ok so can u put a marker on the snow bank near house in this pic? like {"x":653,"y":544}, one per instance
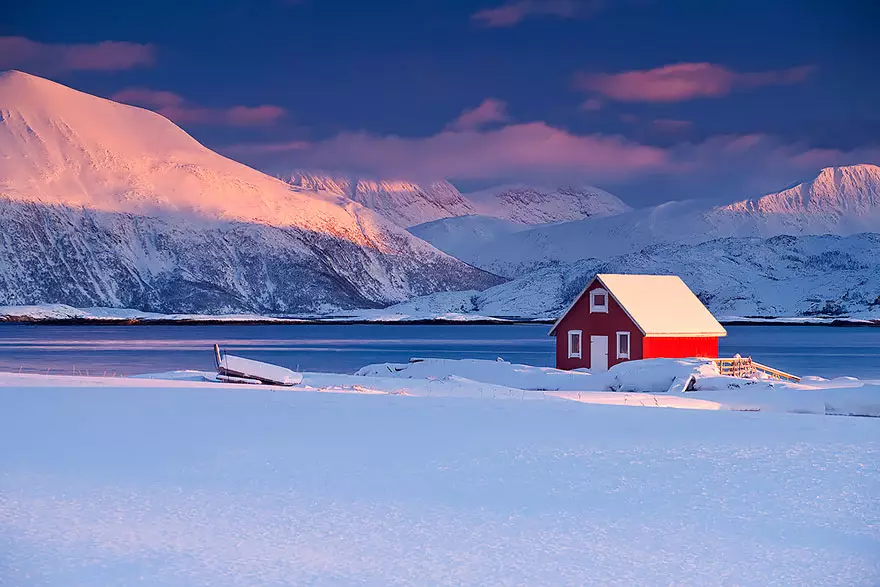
{"x":658,"y":381}
{"x":650,"y":375}
{"x":657,"y":375}
{"x":495,"y":372}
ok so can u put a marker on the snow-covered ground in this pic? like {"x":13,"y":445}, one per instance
{"x":177,"y":481}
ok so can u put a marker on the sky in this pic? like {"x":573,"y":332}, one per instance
{"x":651,"y":99}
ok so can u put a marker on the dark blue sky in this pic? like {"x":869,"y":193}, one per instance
{"x":410,"y":68}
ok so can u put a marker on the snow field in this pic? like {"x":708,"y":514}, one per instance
{"x":156,"y":482}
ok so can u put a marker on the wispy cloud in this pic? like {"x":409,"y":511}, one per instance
{"x":684,"y":81}
{"x":36,"y":57}
{"x":592,"y":105}
{"x":488,"y":112}
{"x":516,"y":11}
{"x":671,"y":125}
{"x":148,"y":98}
{"x":176,"y":108}
{"x":267,"y":148}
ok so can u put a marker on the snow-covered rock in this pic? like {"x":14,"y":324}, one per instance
{"x":105,"y":204}
{"x":402,"y":202}
{"x":524,"y":204}
{"x":497,"y":210}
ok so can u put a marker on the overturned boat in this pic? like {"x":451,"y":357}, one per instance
{"x":232,"y":369}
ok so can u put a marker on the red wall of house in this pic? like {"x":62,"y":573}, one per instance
{"x":600,"y":324}
{"x":680,"y":347}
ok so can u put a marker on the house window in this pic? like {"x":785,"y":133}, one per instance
{"x":623,"y":345}
{"x":575,"y":338}
{"x":598,"y":301}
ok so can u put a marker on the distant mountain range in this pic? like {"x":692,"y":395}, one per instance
{"x":402,"y":202}
{"x":829,"y":276}
{"x":840,"y":201}
{"x":409,"y":204}
{"x":110,"y":205}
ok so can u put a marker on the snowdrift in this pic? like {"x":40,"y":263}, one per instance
{"x":658,"y":377}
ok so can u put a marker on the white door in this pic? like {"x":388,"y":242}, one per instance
{"x":598,"y":353}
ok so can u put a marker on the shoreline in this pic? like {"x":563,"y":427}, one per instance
{"x":439,"y":321}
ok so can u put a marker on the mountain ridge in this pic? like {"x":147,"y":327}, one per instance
{"x":154,"y":206}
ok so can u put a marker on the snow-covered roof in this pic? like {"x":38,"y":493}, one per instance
{"x":660,"y":305}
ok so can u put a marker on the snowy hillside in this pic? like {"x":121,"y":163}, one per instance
{"x":111,"y":205}
{"x":780,"y":276}
{"x":541,"y":205}
{"x":842,"y":201}
{"x":464,"y":234}
{"x":402,"y":202}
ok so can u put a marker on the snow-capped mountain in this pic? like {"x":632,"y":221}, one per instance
{"x":779,"y":276}
{"x":841,"y":200}
{"x":524,"y":204}
{"x":105,"y":204}
{"x":404,"y":203}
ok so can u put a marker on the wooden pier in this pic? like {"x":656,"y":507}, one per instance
{"x":746,"y":367}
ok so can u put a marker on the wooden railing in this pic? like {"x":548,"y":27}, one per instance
{"x":746,"y":367}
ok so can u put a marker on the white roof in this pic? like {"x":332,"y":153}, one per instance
{"x":660,"y":305}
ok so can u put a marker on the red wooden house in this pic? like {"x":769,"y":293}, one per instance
{"x":625,"y":317}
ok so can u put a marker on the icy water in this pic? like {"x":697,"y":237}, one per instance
{"x":129,"y":350}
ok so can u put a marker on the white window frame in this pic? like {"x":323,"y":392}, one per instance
{"x":620,"y":353}
{"x":580,"y":352}
{"x":594,"y":307}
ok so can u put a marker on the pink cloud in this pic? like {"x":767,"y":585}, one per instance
{"x":174,"y":107}
{"x":22,"y":53}
{"x":684,"y":81}
{"x":532,"y":148}
{"x":514,"y":12}
{"x":491,"y":110}
{"x":536,"y":151}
